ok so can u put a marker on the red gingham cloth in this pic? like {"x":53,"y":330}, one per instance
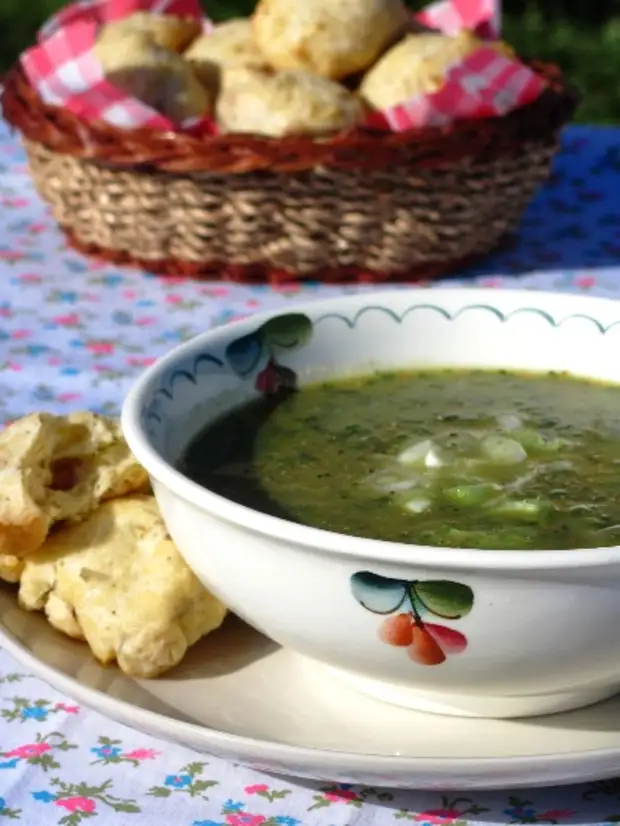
{"x":63,"y":69}
{"x":452,"y":16}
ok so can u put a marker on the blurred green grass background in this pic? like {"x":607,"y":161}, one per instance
{"x":583,"y":36}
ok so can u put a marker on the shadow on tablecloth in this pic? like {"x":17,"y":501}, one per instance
{"x":574,"y":223}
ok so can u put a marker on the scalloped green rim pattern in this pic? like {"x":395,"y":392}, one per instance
{"x":503,"y":317}
{"x":151,"y":413}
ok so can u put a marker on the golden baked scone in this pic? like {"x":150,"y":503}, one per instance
{"x":284,"y":103}
{"x":231,"y":45}
{"x":157,"y":76}
{"x":56,"y":468}
{"x":117,"y":581}
{"x":418,"y":65}
{"x":11,"y":568}
{"x":167,"y":30}
{"x":331,"y":38}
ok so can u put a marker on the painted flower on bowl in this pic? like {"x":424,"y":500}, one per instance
{"x":256,"y":353}
{"x":406,"y":604}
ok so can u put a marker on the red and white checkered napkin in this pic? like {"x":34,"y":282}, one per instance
{"x":63,"y":69}
{"x":483,"y":85}
{"x":65,"y":72}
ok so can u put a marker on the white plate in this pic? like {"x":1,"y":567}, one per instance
{"x":240,"y":697}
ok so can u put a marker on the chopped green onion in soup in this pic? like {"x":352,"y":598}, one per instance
{"x":502,"y":450}
{"x":467,"y":496}
{"x":526,"y":510}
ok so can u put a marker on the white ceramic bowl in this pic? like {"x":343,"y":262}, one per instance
{"x":541,"y":626}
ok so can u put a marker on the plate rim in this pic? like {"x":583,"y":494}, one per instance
{"x":482,"y":773}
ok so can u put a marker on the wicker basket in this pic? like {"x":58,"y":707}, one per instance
{"x":362,"y":206}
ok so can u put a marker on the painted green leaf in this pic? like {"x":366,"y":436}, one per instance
{"x":203,"y":785}
{"x":449,"y":600}
{"x":193,"y":769}
{"x":287,"y":331}
{"x":159,"y":791}
{"x":244,"y":354}
{"x":378,"y":594}
{"x":127,"y":806}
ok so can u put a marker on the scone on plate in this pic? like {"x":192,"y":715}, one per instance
{"x":153,"y":74}
{"x":417,"y":66}
{"x":284,"y":103}
{"x":58,"y":468}
{"x":11,"y":568}
{"x":117,"y":581}
{"x":331,"y":38}
{"x":229,"y":45}
{"x":166,"y":30}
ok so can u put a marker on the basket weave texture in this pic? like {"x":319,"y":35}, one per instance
{"x":363,"y":206}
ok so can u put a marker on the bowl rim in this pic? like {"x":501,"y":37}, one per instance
{"x":329,"y":542}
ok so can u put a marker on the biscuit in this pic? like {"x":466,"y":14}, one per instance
{"x":285,"y":103}
{"x":11,"y":568}
{"x":157,"y":76}
{"x":117,"y":581}
{"x":166,"y":30}
{"x":57,"y":468}
{"x":331,"y":38}
{"x":417,"y":66}
{"x":229,"y":45}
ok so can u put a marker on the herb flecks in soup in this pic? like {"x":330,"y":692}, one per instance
{"x":477,"y":459}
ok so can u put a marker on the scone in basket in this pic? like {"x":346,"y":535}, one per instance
{"x":410,"y":192}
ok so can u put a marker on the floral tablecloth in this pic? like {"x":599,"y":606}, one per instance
{"x":73,"y":335}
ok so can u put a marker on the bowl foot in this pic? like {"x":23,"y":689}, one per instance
{"x":474,"y":705}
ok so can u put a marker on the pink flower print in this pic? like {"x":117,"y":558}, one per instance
{"x":15,"y":202}
{"x":141,"y":361}
{"x":244,"y":819}
{"x":67,"y":397}
{"x":217,"y":292}
{"x":67,"y":709}
{"x":54,"y":361}
{"x":69,"y":320}
{"x":76,"y":804}
{"x":100,"y":348}
{"x":259,"y":787}
{"x":438,"y":817}
{"x":174,"y":298}
{"x":31,"y":750}
{"x":142,"y":754}
{"x":145,"y":321}
{"x":21,"y":334}
{"x":13,"y":367}
{"x":37,"y":227}
{"x":557,"y":814}
{"x":129,"y":294}
{"x":30,"y":278}
{"x":585,"y":281}
{"x":340,"y":794}
{"x":287,"y":288}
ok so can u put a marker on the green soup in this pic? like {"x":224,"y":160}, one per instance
{"x":477,"y":459}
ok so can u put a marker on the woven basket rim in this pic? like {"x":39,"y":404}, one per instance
{"x":61,"y":131}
